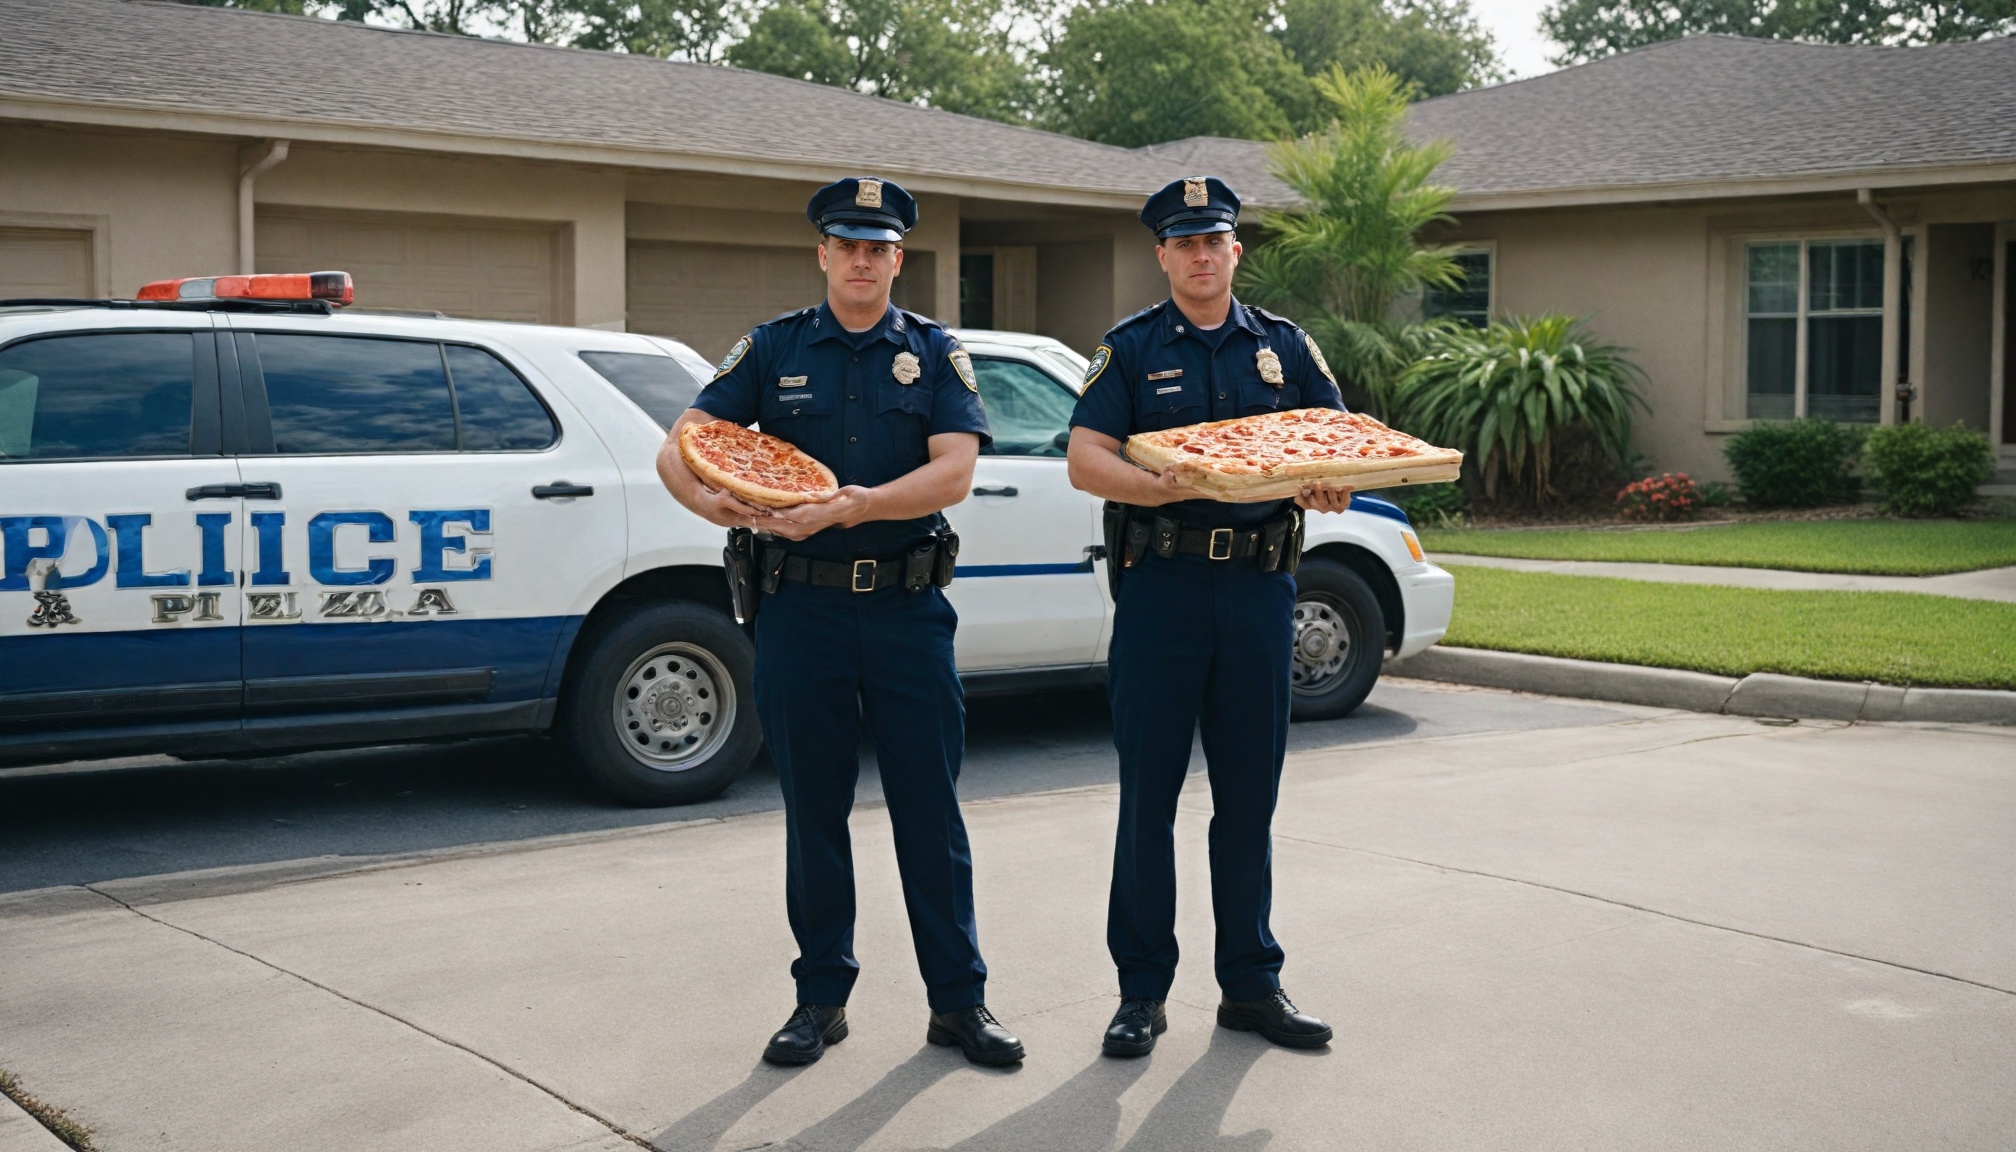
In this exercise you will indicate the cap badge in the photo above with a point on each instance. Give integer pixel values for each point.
(1195, 195)
(1269, 365)
(906, 369)
(868, 194)
(1316, 354)
(963, 364)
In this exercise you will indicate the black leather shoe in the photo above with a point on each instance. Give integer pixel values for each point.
(975, 1031)
(805, 1036)
(1134, 1028)
(1277, 1019)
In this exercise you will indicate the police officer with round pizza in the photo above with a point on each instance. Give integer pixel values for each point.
(1204, 624)
(853, 624)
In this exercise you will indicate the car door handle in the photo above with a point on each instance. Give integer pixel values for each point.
(997, 490)
(561, 489)
(256, 490)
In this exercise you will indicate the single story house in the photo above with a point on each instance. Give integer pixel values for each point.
(1773, 228)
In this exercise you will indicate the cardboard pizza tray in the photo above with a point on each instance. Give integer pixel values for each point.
(1255, 490)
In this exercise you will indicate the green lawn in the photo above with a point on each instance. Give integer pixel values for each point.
(1877, 547)
(1892, 637)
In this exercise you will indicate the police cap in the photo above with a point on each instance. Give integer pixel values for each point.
(863, 208)
(1191, 206)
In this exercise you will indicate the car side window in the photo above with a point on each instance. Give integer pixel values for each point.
(657, 384)
(497, 410)
(345, 394)
(104, 394)
(1028, 411)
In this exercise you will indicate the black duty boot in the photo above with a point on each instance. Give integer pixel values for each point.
(1134, 1028)
(1277, 1019)
(806, 1034)
(975, 1031)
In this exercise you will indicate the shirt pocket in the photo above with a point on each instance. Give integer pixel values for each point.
(784, 406)
(1257, 397)
(1170, 402)
(902, 431)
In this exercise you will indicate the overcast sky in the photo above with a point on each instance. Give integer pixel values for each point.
(1515, 25)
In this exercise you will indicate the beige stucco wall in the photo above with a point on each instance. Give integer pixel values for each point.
(157, 207)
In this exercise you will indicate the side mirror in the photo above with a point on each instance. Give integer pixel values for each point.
(1062, 440)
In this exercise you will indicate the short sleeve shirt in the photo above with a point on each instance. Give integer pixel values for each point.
(1154, 371)
(865, 404)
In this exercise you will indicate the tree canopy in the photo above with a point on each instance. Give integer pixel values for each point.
(1591, 29)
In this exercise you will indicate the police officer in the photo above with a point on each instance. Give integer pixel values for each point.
(887, 399)
(1204, 626)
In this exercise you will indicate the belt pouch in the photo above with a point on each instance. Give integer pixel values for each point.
(1272, 539)
(1138, 533)
(918, 565)
(771, 570)
(1166, 532)
(945, 559)
(738, 561)
(1291, 549)
(1113, 524)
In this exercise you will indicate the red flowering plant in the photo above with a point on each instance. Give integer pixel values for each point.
(1669, 497)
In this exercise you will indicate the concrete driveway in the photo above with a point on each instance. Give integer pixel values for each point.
(1628, 929)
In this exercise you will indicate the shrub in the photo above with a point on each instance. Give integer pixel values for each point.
(1922, 471)
(1795, 463)
(1431, 505)
(1506, 394)
(1716, 494)
(1668, 497)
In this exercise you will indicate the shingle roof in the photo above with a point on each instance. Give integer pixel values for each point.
(207, 60)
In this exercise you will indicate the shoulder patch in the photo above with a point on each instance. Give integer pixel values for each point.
(1316, 354)
(734, 356)
(963, 365)
(1100, 359)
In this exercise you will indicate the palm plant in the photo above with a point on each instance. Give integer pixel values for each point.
(1505, 394)
(1338, 264)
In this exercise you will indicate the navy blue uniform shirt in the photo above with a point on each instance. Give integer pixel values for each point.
(1156, 371)
(838, 396)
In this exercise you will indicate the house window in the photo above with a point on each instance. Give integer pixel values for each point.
(1815, 339)
(1470, 300)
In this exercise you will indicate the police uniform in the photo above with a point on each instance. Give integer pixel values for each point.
(842, 638)
(1204, 626)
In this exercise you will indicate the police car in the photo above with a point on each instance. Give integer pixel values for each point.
(236, 520)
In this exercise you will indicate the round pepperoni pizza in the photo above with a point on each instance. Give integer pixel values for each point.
(754, 467)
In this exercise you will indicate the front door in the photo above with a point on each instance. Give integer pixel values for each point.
(119, 560)
(1027, 592)
(429, 532)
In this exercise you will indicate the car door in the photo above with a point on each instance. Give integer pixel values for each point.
(433, 519)
(119, 560)
(1027, 592)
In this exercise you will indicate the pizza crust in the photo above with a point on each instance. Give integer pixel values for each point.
(1428, 465)
(751, 491)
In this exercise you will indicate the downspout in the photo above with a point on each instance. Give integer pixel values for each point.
(250, 169)
(1893, 294)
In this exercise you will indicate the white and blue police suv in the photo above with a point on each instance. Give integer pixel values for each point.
(236, 527)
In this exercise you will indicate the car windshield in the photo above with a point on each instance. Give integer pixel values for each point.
(1028, 410)
(657, 384)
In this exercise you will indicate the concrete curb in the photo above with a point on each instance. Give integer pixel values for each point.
(1758, 694)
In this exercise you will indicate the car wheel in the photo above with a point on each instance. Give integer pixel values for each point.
(1340, 640)
(660, 708)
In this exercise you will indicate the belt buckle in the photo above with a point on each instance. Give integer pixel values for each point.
(864, 576)
(1221, 544)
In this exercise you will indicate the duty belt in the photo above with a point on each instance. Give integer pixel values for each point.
(853, 575)
(1275, 545)
(1214, 543)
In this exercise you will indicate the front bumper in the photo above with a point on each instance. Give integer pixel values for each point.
(1429, 593)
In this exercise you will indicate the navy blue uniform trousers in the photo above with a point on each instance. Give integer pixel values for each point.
(1198, 643)
(827, 658)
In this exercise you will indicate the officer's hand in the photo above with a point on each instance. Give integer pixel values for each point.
(847, 508)
(1325, 498)
(724, 509)
(1170, 489)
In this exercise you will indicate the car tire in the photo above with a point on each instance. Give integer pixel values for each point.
(1340, 640)
(660, 706)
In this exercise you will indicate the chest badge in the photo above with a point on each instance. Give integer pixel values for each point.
(906, 369)
(1269, 365)
(963, 364)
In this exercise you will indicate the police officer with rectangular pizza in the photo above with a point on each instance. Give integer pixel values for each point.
(1204, 629)
(853, 624)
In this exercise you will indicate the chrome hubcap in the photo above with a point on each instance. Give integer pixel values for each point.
(1322, 645)
(674, 707)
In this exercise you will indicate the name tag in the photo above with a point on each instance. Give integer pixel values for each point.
(1171, 374)
(1168, 390)
(792, 381)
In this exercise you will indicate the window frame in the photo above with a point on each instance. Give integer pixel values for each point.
(205, 441)
(1038, 368)
(258, 418)
(1804, 315)
(1487, 249)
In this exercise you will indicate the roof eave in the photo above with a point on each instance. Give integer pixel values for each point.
(1893, 177)
(108, 114)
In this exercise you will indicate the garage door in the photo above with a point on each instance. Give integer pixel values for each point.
(708, 295)
(44, 262)
(477, 268)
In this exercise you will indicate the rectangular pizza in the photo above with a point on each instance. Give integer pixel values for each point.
(1270, 457)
